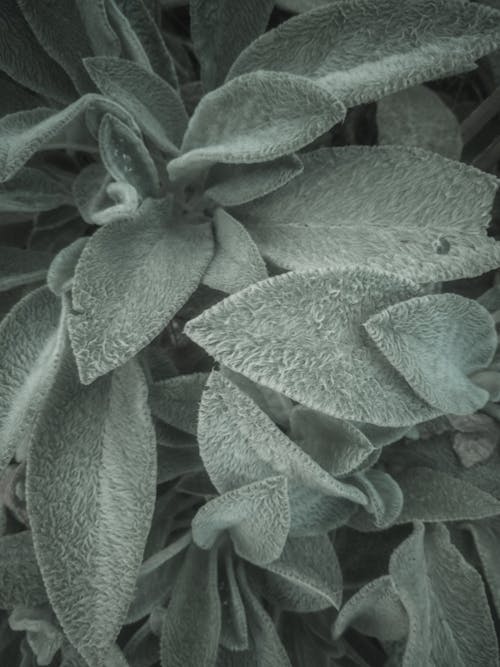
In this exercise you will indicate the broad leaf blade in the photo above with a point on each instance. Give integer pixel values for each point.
(20, 578)
(31, 191)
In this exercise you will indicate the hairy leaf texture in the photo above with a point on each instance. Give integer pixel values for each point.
(394, 208)
(33, 190)
(176, 400)
(90, 491)
(62, 268)
(20, 578)
(361, 51)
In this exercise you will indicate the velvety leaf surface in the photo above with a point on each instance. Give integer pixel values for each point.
(131, 47)
(91, 491)
(234, 628)
(103, 38)
(90, 192)
(32, 190)
(21, 267)
(301, 334)
(132, 277)
(43, 635)
(62, 268)
(427, 217)
(177, 400)
(385, 500)
(282, 113)
(212, 22)
(361, 52)
(486, 535)
(20, 578)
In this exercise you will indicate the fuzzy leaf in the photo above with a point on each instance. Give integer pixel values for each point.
(21, 267)
(20, 578)
(238, 184)
(281, 113)
(30, 344)
(257, 516)
(91, 491)
(126, 157)
(176, 400)
(42, 633)
(32, 190)
(131, 279)
(212, 22)
(486, 535)
(361, 52)
(435, 341)
(191, 624)
(154, 104)
(418, 117)
(301, 334)
(234, 629)
(103, 38)
(62, 268)
(90, 192)
(385, 500)
(237, 262)
(427, 217)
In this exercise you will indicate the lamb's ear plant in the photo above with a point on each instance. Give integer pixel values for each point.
(249, 365)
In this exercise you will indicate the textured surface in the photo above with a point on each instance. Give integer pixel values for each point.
(62, 268)
(281, 114)
(20, 578)
(98, 479)
(21, 267)
(394, 208)
(362, 51)
(32, 190)
(176, 400)
(302, 335)
(131, 279)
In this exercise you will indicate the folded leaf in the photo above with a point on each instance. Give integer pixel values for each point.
(154, 104)
(20, 579)
(91, 491)
(257, 516)
(42, 633)
(363, 52)
(32, 190)
(435, 341)
(176, 400)
(385, 500)
(131, 279)
(418, 117)
(486, 536)
(234, 629)
(21, 267)
(427, 217)
(62, 268)
(280, 114)
(211, 23)
(237, 262)
(238, 184)
(191, 624)
(90, 191)
(301, 334)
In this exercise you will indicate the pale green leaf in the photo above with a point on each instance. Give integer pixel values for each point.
(131, 279)
(258, 117)
(234, 629)
(132, 48)
(91, 491)
(486, 535)
(385, 500)
(21, 267)
(256, 515)
(176, 400)
(212, 23)
(90, 191)
(20, 578)
(298, 6)
(237, 262)
(427, 217)
(174, 462)
(363, 52)
(32, 190)
(62, 268)
(95, 18)
(42, 633)
(154, 104)
(418, 117)
(436, 341)
(238, 184)
(302, 335)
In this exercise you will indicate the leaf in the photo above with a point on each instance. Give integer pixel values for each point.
(281, 113)
(62, 268)
(376, 611)
(435, 341)
(174, 462)
(477, 438)
(90, 191)
(21, 267)
(176, 400)
(238, 184)
(486, 536)
(301, 334)
(385, 500)
(256, 515)
(132, 277)
(237, 262)
(154, 104)
(31, 340)
(338, 446)
(212, 22)
(427, 218)
(126, 157)
(25, 61)
(20, 578)
(42, 633)
(32, 190)
(362, 53)
(15, 97)
(234, 629)
(306, 577)
(418, 117)
(91, 491)
(143, 648)
(431, 495)
(95, 18)
(191, 624)
(440, 590)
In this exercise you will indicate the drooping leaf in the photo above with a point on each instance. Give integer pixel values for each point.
(427, 217)
(435, 341)
(62, 268)
(237, 262)
(238, 184)
(132, 277)
(43, 635)
(281, 113)
(385, 500)
(301, 334)
(191, 624)
(32, 190)
(176, 400)
(418, 117)
(256, 515)
(20, 578)
(91, 491)
(154, 104)
(361, 53)
(21, 267)
(212, 22)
